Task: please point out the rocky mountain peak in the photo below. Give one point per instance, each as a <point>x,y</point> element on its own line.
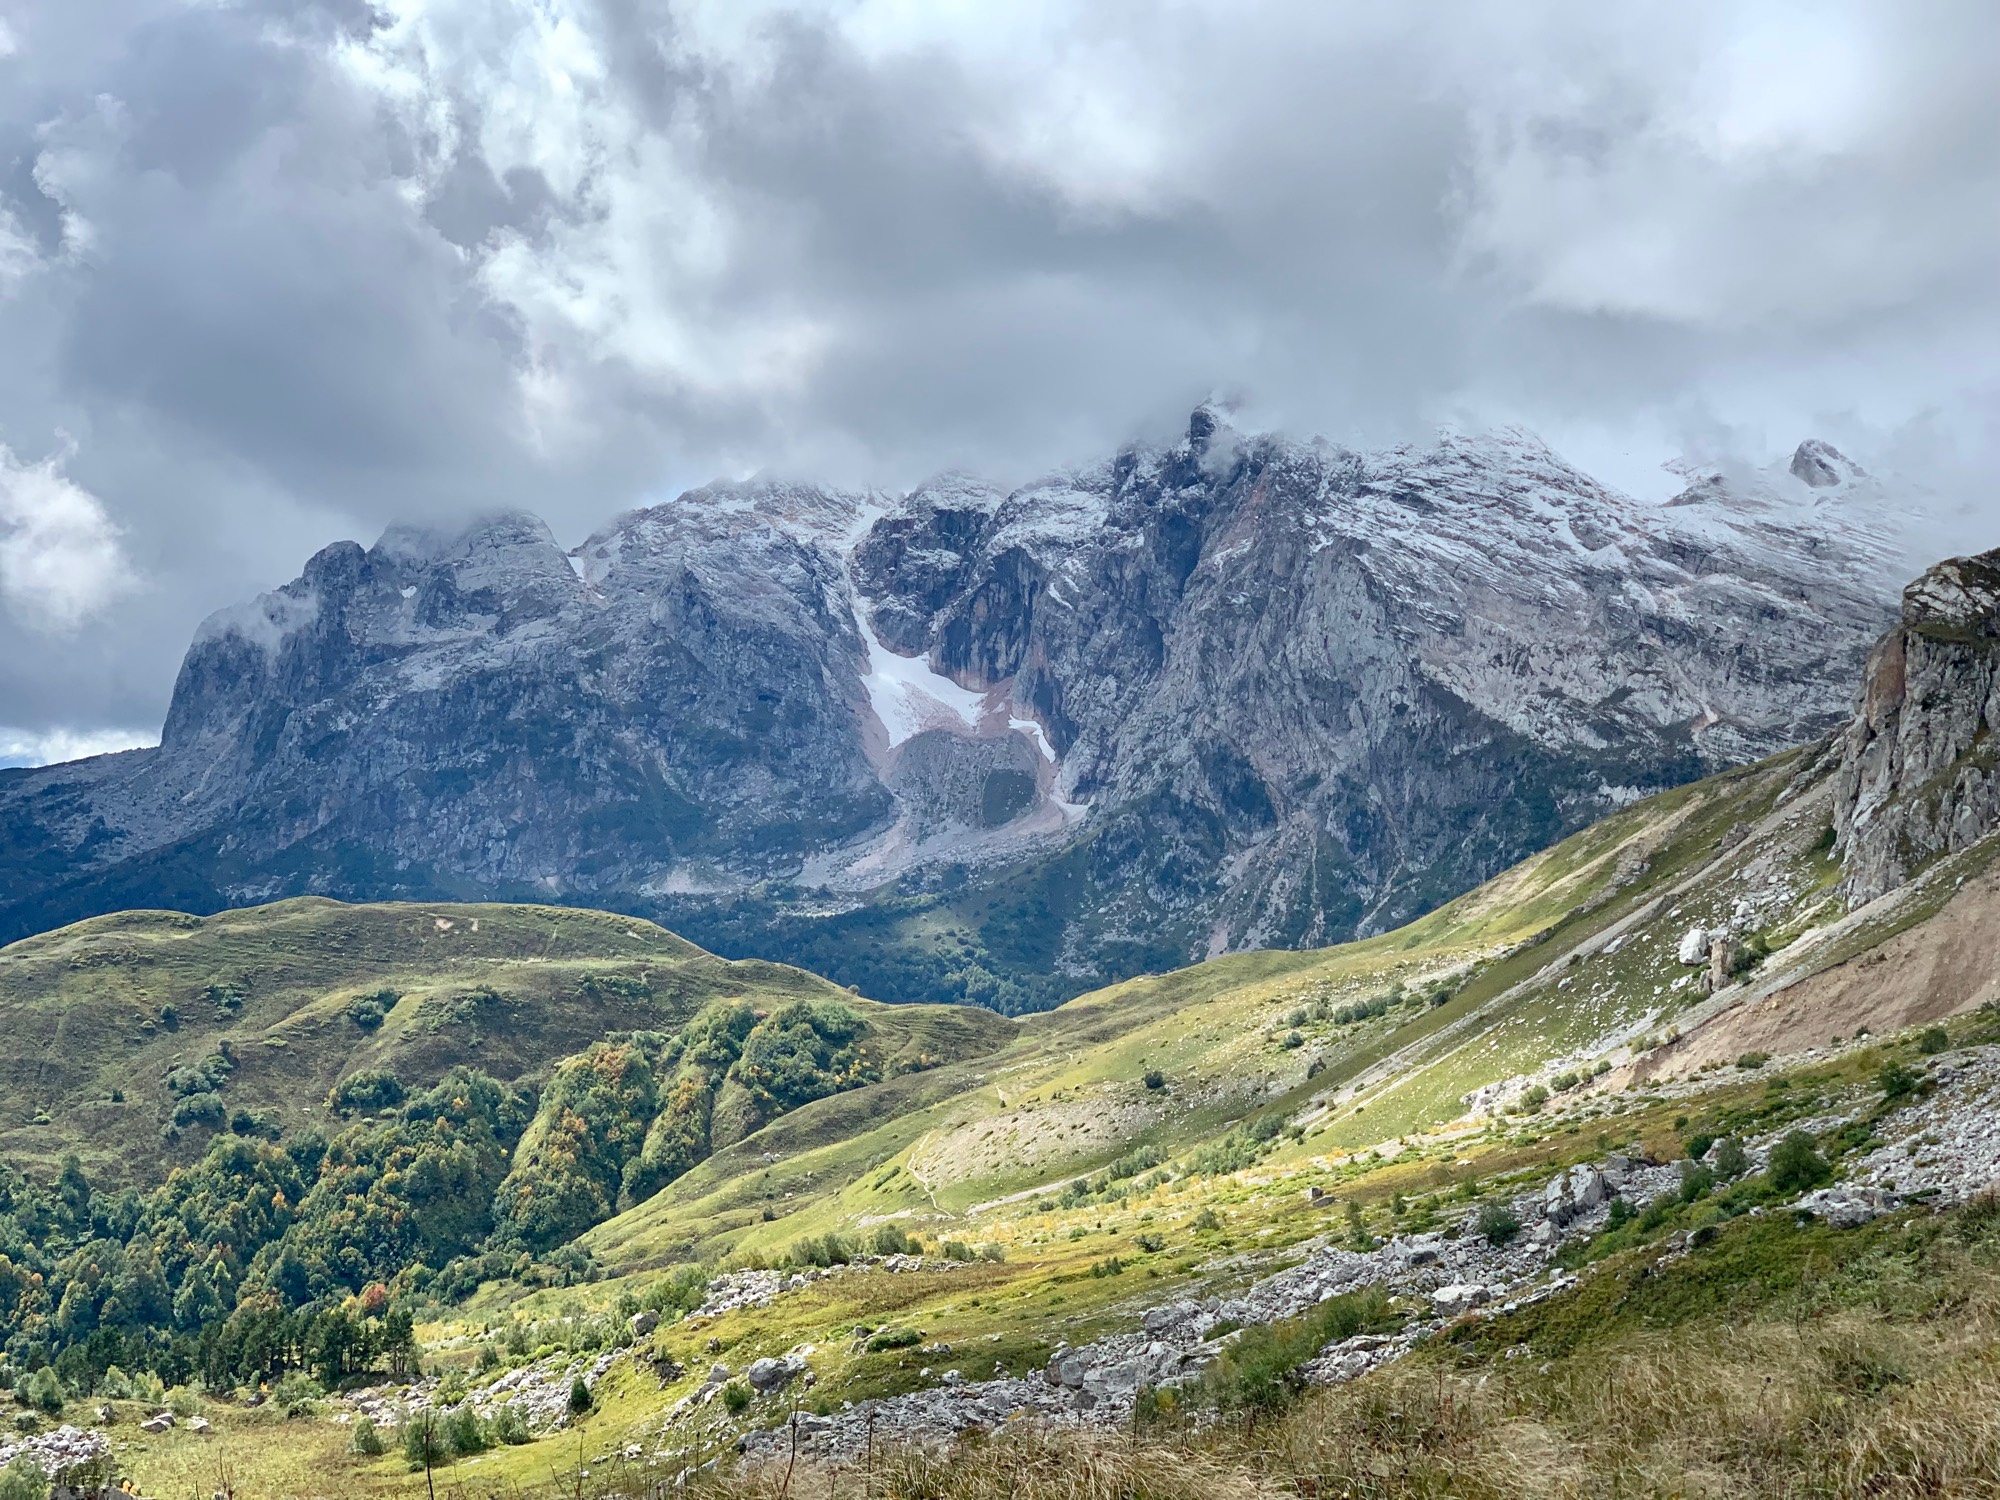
<point>1203,423</point>
<point>1821,465</point>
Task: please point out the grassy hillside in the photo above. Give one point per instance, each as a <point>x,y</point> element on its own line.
<point>301,994</point>
<point>1163,1065</point>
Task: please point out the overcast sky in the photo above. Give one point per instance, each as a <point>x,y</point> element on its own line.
<point>278,272</point>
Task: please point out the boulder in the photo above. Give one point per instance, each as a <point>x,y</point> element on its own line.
<point>1460,1297</point>
<point>1068,1369</point>
<point>767,1375</point>
<point>1570,1195</point>
<point>1177,1318</point>
<point>642,1323</point>
<point>1694,947</point>
<point>1844,1207</point>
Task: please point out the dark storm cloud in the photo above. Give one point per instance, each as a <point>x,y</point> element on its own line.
<point>274,273</point>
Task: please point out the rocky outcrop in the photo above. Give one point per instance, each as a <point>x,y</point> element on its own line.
<point>1919,775</point>
<point>74,1457</point>
<point>1239,691</point>
<point>1456,1273</point>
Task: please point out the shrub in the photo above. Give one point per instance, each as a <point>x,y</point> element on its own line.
<point>1259,1370</point>
<point>1751,952</point>
<point>1898,1080</point>
<point>1365,1010</point>
<point>1498,1224</point>
<point>1292,1040</point>
<point>1752,1060</point>
<point>510,1425</point>
<point>369,1011</point>
<point>825,1250</point>
<point>204,1077</point>
<point>44,1392</point>
<point>1731,1161</point>
<point>249,1122</point>
<point>889,1239</point>
<point>298,1394</point>
<point>1621,1214</point>
<point>364,1440</point>
<point>580,1399</point>
<point>225,996</point>
<point>1695,1181</point>
<point>1698,1145</point>
<point>1562,1083</point>
<point>1111,1265</point>
<point>1207,1219</point>
<point>736,1396</point>
<point>1155,1079</point>
<point>1934,1040</point>
<point>423,1440</point>
<point>198,1109</point>
<point>24,1479</point>
<point>681,1290</point>
<point>464,1433</point>
<point>369,1089</point>
<point>1796,1166</point>
<point>1152,1244</point>
<point>895,1338</point>
<point>955,1250</point>
<point>1534,1099</point>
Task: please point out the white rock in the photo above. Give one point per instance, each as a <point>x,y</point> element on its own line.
<point>1460,1297</point>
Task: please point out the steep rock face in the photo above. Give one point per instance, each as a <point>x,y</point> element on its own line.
<point>472,712</point>
<point>1307,692</point>
<point>1919,774</point>
<point>1235,692</point>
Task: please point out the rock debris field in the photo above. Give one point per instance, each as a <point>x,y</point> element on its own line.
<point>1941,1151</point>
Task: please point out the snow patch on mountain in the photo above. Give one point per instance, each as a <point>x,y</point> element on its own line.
<point>909,697</point>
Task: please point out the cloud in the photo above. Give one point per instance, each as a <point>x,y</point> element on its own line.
<point>1752,167</point>
<point>60,560</point>
<point>18,257</point>
<point>47,747</point>
<point>295,269</point>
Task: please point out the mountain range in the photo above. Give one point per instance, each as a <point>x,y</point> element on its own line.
<point>1233,693</point>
